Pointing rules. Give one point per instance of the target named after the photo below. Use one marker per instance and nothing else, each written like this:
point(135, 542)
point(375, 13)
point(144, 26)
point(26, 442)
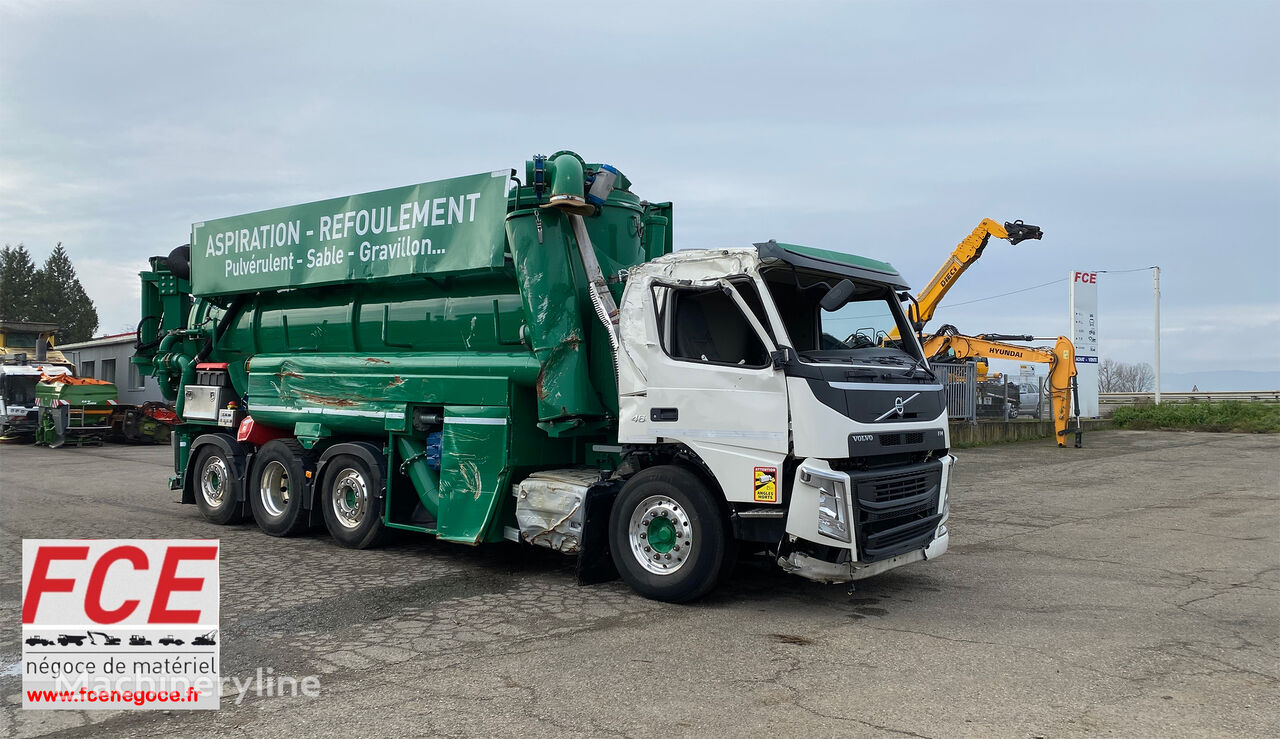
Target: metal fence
point(1212, 396)
point(961, 384)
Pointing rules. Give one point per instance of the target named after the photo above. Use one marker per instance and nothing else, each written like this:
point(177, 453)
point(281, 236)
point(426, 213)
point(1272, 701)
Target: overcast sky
point(1133, 133)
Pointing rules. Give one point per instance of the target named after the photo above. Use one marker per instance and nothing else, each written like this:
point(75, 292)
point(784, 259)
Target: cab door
point(711, 385)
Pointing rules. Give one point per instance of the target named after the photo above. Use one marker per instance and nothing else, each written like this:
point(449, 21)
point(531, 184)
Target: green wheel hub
point(662, 535)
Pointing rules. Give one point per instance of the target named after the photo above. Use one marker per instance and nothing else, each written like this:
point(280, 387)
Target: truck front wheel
point(349, 498)
point(667, 535)
point(276, 487)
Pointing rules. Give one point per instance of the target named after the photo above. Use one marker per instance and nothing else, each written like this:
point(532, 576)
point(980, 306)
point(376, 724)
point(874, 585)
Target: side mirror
point(837, 296)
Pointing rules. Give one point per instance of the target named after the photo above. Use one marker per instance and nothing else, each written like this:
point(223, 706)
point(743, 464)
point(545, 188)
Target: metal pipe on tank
point(655, 232)
point(567, 184)
point(426, 482)
point(162, 360)
point(551, 293)
point(187, 369)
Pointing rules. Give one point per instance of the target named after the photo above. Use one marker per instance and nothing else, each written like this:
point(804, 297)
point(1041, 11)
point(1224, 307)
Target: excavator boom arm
point(965, 347)
point(1061, 360)
point(961, 258)
point(965, 254)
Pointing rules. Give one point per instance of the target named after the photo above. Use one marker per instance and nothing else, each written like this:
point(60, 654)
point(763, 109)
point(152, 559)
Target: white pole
point(1157, 296)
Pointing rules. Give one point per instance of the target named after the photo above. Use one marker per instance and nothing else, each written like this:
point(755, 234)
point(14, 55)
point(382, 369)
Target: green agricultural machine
point(522, 356)
point(73, 411)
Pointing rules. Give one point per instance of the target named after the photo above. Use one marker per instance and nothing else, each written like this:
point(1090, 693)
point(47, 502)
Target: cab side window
point(705, 325)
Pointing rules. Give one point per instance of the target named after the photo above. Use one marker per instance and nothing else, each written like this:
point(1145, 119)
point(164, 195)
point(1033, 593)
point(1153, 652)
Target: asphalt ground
point(1124, 589)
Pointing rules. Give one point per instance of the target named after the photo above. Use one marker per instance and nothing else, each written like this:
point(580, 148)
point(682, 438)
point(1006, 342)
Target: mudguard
point(595, 563)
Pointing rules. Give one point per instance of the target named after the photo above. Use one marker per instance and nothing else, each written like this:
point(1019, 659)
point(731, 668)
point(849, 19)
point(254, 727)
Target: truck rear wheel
point(667, 535)
point(217, 488)
point(276, 488)
point(349, 496)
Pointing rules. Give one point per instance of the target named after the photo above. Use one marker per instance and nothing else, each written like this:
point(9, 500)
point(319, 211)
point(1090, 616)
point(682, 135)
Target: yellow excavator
point(950, 343)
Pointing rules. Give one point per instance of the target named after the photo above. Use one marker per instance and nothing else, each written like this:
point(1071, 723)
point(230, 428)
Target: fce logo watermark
point(120, 624)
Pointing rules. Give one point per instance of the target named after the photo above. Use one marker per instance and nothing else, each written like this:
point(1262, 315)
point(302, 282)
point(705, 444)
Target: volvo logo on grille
point(899, 407)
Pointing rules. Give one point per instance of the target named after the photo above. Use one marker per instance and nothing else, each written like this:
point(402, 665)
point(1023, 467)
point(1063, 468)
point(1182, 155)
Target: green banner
point(434, 228)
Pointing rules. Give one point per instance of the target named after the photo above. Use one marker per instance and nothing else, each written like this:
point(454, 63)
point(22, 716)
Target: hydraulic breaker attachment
point(1019, 231)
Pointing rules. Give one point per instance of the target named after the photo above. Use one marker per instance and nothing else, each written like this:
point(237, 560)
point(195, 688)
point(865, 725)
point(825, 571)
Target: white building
point(107, 358)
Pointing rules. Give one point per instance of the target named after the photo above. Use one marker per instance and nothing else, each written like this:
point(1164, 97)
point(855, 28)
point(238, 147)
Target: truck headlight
point(833, 513)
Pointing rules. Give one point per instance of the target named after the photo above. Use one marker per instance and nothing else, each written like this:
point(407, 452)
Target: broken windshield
point(856, 333)
point(861, 324)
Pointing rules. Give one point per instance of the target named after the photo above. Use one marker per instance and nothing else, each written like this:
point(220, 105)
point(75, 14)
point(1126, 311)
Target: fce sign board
point(1084, 334)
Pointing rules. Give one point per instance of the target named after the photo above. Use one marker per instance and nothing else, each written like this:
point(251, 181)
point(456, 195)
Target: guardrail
point(1263, 396)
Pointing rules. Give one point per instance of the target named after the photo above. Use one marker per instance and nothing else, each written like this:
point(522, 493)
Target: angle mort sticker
point(766, 485)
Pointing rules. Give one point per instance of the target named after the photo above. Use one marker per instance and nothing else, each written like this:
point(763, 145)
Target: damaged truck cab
point(831, 454)
point(493, 358)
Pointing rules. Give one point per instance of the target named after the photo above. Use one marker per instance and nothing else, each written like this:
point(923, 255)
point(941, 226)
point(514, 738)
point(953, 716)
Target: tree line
point(48, 294)
point(1119, 377)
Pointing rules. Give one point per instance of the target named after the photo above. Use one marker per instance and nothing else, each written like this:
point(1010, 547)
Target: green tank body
point(529, 313)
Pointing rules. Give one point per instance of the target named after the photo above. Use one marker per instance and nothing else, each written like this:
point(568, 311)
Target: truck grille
point(898, 487)
point(896, 512)
point(911, 437)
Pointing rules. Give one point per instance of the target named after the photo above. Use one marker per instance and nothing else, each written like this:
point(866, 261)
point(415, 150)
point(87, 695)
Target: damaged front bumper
point(812, 568)
point(848, 525)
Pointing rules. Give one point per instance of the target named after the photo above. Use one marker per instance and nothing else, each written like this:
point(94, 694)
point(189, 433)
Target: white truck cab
point(18, 410)
point(818, 431)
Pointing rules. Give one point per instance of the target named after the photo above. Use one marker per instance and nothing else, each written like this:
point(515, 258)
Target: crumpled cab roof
point(823, 260)
point(698, 265)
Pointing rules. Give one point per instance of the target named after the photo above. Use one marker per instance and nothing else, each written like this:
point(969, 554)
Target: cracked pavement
point(1128, 588)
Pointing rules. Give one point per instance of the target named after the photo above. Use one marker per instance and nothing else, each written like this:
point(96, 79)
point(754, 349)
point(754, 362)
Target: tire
point(350, 496)
point(277, 485)
point(668, 536)
point(216, 486)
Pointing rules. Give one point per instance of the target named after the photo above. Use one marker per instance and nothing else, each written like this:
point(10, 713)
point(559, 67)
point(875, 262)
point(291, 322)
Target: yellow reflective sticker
point(766, 485)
